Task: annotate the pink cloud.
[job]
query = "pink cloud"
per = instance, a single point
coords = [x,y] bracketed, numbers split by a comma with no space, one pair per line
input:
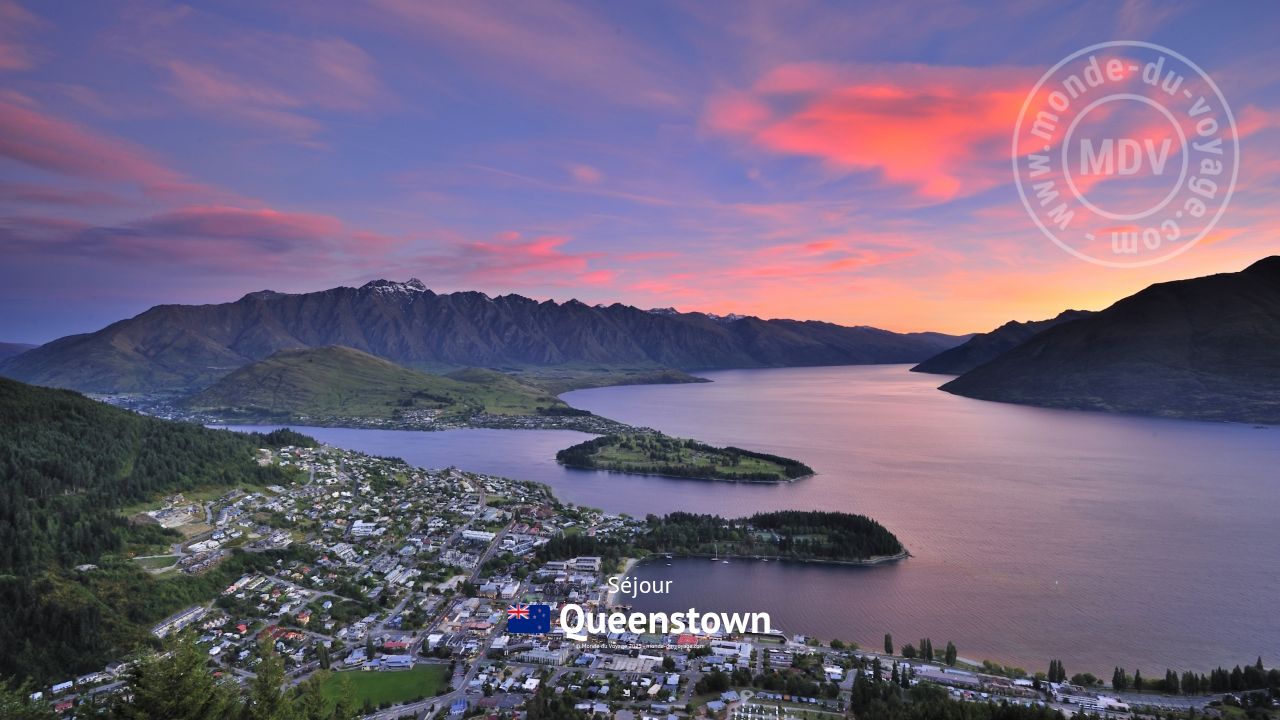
[275,81]
[33,194]
[233,222]
[35,139]
[585,174]
[512,261]
[598,277]
[937,131]
[562,43]
[230,239]
[16,25]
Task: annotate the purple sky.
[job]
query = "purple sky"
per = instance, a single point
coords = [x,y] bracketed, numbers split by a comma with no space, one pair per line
[841,161]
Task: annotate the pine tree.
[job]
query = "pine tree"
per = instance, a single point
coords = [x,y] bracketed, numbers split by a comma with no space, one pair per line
[311,703]
[888,644]
[346,708]
[1137,680]
[177,687]
[16,704]
[951,653]
[266,702]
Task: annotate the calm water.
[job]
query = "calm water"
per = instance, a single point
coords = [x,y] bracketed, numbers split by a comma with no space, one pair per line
[1098,539]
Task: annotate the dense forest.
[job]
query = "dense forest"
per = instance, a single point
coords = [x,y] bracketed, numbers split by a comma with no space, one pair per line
[68,465]
[796,534]
[657,454]
[179,685]
[874,698]
[790,534]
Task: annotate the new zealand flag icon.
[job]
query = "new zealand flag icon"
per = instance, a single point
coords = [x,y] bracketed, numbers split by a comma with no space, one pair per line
[530,619]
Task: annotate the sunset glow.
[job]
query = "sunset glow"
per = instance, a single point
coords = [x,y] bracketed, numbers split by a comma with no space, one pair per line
[776,159]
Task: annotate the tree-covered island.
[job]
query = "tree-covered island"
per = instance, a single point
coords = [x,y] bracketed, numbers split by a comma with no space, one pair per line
[657,454]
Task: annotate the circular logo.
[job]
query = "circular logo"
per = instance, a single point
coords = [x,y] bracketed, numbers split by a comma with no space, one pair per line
[1125,154]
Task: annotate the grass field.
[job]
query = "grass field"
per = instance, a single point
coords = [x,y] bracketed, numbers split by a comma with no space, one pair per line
[387,687]
[564,378]
[157,562]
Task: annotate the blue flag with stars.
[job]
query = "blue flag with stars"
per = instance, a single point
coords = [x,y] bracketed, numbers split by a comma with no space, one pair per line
[534,619]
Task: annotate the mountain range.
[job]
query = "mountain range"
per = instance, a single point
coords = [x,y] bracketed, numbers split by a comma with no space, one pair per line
[985,347]
[188,347]
[1206,348]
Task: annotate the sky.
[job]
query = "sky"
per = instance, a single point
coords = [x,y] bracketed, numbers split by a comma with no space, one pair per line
[844,161]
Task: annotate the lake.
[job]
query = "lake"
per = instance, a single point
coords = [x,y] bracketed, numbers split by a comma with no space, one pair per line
[1099,539]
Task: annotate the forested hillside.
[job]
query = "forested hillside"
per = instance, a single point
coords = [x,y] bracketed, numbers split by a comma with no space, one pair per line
[68,463]
[67,466]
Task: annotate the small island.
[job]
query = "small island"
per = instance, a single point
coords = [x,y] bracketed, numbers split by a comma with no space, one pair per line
[650,453]
[813,536]
[803,535]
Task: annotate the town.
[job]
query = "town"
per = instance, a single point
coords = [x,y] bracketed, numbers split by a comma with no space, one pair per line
[393,583]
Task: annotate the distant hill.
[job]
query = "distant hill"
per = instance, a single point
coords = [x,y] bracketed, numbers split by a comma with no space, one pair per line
[1206,348]
[8,350]
[342,382]
[186,347]
[986,347]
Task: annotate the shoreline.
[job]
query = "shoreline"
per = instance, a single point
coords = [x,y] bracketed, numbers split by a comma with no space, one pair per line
[872,561]
[780,481]
[627,566]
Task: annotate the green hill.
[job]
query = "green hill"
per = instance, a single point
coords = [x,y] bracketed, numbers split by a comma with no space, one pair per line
[68,465]
[340,382]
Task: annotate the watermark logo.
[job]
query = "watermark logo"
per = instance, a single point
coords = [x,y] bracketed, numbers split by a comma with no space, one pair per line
[1126,154]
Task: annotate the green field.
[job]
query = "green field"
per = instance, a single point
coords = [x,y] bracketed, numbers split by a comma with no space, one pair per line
[656,454]
[563,378]
[340,382]
[392,686]
[156,562]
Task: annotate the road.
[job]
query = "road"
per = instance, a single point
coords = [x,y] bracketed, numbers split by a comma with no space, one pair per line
[460,689]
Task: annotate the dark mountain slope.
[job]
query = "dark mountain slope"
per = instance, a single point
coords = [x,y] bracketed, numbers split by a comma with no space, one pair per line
[986,347]
[1204,348]
[188,347]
